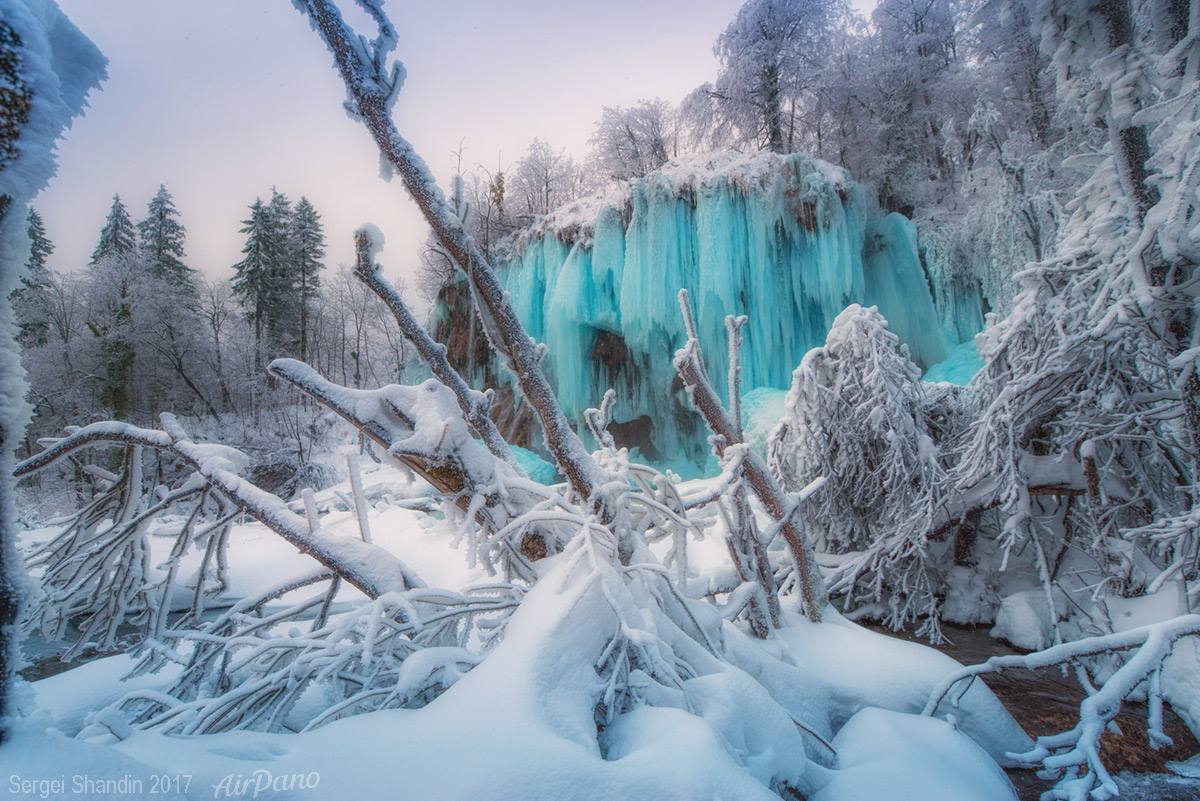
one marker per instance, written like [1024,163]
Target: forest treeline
[138,331]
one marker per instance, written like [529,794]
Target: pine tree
[253,274]
[117,237]
[112,320]
[30,301]
[283,303]
[308,249]
[162,238]
[283,312]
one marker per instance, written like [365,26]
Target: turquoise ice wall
[789,245]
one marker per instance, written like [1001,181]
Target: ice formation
[789,241]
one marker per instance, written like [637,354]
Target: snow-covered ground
[521,726]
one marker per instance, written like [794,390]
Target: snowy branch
[690,366]
[369,568]
[372,87]
[474,404]
[1079,748]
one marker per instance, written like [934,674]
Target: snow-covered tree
[770,54]
[284,300]
[118,237]
[162,239]
[257,276]
[855,415]
[544,179]
[31,300]
[307,254]
[630,142]
[112,285]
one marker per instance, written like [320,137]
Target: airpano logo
[264,783]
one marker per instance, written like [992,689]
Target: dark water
[1047,702]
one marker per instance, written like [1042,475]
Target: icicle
[790,241]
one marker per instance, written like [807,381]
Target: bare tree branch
[689,365]
[474,404]
[368,567]
[372,87]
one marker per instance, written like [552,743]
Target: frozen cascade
[788,240]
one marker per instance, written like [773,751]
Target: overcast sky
[223,99]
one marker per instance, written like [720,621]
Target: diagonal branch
[372,88]
[689,365]
[474,404]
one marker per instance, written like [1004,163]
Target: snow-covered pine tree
[308,251]
[113,276]
[117,237]
[857,415]
[162,235]
[256,275]
[31,299]
[284,302]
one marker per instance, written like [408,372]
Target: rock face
[788,241]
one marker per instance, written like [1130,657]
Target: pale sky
[222,99]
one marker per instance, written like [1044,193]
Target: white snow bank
[522,724]
[36,763]
[1024,619]
[891,756]
[861,668]
[519,726]
[71,696]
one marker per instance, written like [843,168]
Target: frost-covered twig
[97,571]
[358,497]
[250,666]
[369,568]
[689,364]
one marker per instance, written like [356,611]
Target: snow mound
[1024,619]
[1181,670]
[861,668]
[900,757]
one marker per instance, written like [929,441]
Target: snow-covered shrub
[855,414]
